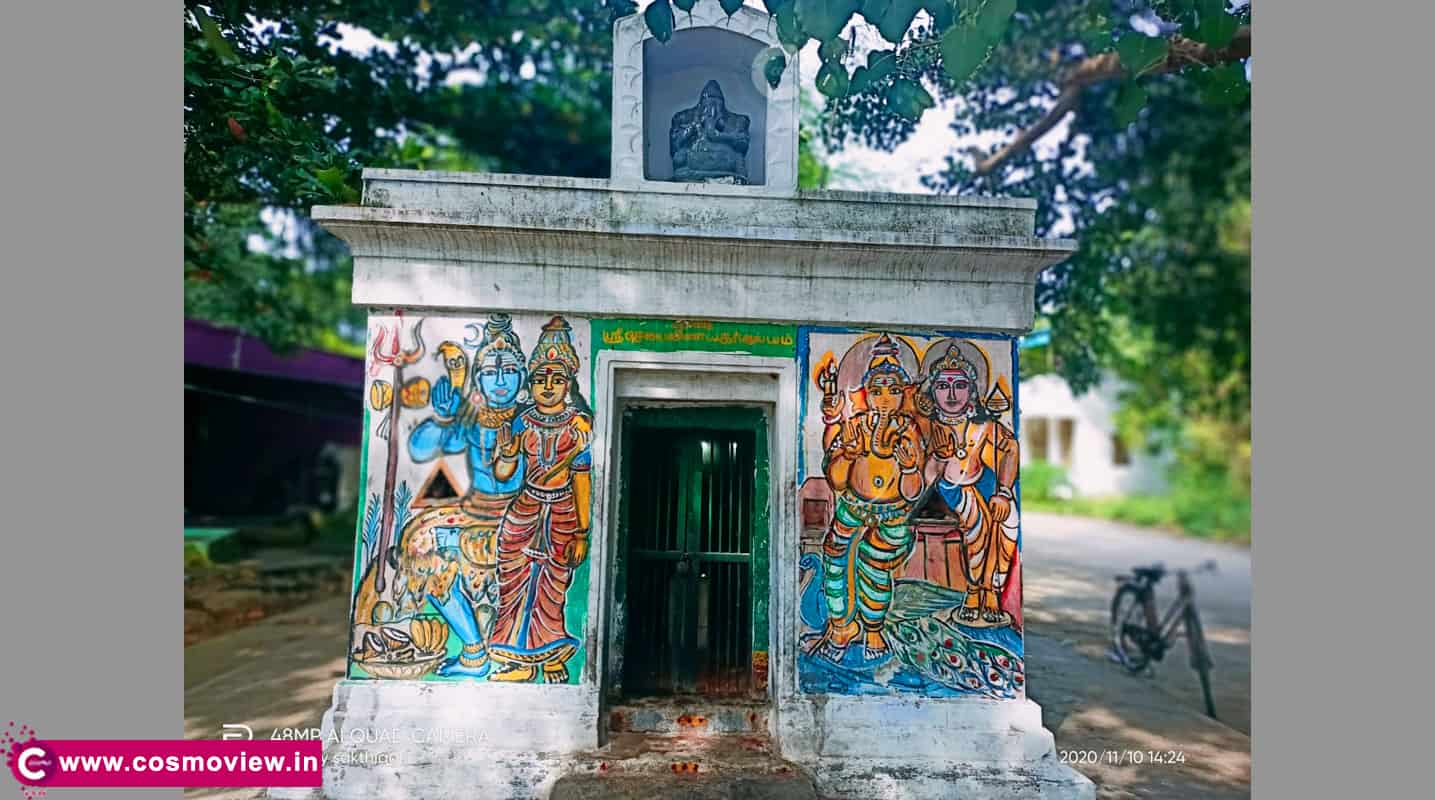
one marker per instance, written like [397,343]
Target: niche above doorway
[653,80]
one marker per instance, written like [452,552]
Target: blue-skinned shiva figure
[473,414]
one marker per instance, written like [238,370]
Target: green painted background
[666,336]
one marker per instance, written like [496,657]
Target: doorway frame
[730,417]
[623,378]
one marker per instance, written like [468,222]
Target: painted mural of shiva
[544,534]
[873,461]
[964,438]
[473,414]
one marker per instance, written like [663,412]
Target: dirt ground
[1095,709]
[224,598]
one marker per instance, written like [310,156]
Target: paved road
[1068,582]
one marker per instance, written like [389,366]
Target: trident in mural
[388,352]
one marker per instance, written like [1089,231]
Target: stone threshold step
[763,787]
[684,754]
[689,715]
[685,765]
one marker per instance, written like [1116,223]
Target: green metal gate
[694,504]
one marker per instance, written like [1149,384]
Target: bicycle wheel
[1127,627]
[1200,657]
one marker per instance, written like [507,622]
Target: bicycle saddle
[1152,573]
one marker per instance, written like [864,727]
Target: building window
[1066,434]
[1037,436]
[1120,456]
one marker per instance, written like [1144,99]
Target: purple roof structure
[212,346]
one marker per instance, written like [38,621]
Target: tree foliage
[278,117]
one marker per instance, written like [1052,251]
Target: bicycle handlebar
[1158,570]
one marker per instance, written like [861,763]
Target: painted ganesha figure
[873,461]
[908,429]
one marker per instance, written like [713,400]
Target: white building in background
[1079,434]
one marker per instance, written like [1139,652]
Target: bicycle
[1138,637]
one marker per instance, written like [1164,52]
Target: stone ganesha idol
[708,142]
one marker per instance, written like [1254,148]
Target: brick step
[644,787]
[694,766]
[689,715]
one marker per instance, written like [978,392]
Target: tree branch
[1182,53]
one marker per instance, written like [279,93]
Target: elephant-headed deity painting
[472,556]
[910,529]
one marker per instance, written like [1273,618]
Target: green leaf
[687,5]
[881,63]
[773,69]
[861,80]
[729,7]
[832,80]
[776,7]
[1184,12]
[1214,27]
[213,37]
[1225,85]
[1130,99]
[832,50]
[944,14]
[892,17]
[825,19]
[908,99]
[1138,52]
[331,179]
[963,50]
[1096,40]
[993,17]
[659,17]
[788,31]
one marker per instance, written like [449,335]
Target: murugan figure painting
[476,524]
[908,489]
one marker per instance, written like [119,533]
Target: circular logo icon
[33,763]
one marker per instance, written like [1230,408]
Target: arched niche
[676,73]
[653,80]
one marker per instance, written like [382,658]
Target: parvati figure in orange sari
[964,438]
[543,537]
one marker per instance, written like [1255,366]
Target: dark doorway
[694,505]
